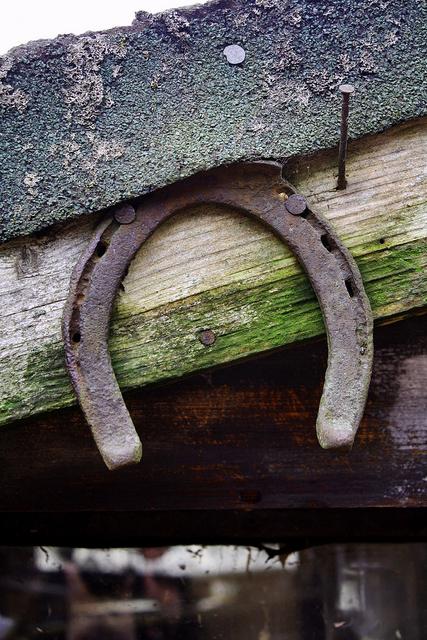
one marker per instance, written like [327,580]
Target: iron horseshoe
[259,190]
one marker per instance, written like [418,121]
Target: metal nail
[207,337]
[346,90]
[125,214]
[296,204]
[234,53]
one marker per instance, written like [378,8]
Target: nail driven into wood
[346,91]
[207,337]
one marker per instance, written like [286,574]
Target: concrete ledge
[91,120]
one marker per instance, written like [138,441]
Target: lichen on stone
[84,90]
[31,180]
[109,116]
[11,98]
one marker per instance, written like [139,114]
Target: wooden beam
[213,268]
[241,439]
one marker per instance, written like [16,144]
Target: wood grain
[242,438]
[213,268]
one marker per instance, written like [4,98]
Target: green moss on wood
[279,309]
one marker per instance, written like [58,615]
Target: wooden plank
[212,267]
[241,438]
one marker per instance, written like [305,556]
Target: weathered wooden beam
[241,438]
[213,268]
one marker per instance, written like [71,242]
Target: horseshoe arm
[258,190]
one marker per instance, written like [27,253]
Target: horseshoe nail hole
[325,241]
[76,337]
[349,286]
[101,248]
[281,192]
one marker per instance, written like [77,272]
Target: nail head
[296,204]
[234,53]
[347,89]
[207,337]
[125,214]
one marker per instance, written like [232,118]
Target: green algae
[162,344]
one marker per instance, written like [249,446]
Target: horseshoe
[259,190]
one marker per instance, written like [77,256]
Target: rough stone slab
[88,121]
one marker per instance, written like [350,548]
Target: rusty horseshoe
[259,190]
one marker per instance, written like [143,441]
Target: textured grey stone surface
[88,121]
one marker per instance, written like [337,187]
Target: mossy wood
[214,268]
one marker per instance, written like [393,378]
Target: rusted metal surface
[258,190]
